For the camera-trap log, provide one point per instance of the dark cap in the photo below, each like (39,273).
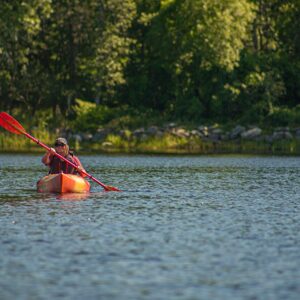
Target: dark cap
(61,140)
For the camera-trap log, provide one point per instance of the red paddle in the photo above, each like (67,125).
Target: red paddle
(12,125)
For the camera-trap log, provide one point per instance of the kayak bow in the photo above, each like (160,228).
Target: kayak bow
(63,183)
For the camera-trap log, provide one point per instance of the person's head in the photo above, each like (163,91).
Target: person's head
(61,146)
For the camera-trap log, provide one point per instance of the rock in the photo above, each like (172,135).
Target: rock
(215,134)
(213,138)
(159,134)
(139,132)
(152,130)
(297,133)
(217,131)
(268,139)
(143,137)
(288,135)
(170,125)
(252,133)
(196,133)
(107,144)
(282,135)
(101,134)
(203,130)
(236,132)
(180,132)
(77,138)
(225,136)
(125,134)
(282,129)
(87,137)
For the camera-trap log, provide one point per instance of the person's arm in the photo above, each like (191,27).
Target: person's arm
(46,159)
(80,167)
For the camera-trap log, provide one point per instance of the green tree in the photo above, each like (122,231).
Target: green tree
(55,51)
(182,43)
(288,27)
(268,75)
(111,50)
(69,37)
(21,81)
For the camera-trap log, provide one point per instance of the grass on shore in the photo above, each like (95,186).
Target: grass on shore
(20,143)
(172,144)
(166,144)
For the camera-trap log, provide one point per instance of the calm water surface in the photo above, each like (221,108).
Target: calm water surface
(188,227)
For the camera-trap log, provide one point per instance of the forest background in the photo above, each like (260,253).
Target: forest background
(85,65)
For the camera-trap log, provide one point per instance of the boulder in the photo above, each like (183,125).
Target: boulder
(297,133)
(152,130)
(196,133)
(77,138)
(87,137)
(203,130)
(101,134)
(237,132)
(139,132)
(170,125)
(217,131)
(268,139)
(107,144)
(252,133)
(125,134)
(215,134)
(282,135)
(180,132)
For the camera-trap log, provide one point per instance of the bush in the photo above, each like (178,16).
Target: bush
(90,117)
(283,116)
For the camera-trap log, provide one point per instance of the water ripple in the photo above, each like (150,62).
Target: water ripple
(184,227)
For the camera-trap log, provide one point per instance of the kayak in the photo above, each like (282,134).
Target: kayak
(63,183)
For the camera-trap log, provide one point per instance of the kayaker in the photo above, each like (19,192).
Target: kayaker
(57,165)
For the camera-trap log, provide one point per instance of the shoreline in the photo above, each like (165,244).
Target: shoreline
(283,148)
(167,140)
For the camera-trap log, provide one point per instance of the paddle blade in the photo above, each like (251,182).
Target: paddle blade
(111,188)
(10,124)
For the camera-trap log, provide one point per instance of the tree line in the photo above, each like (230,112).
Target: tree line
(217,60)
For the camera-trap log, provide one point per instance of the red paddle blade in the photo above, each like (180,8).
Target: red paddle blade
(111,188)
(10,124)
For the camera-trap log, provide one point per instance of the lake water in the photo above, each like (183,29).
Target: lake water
(184,227)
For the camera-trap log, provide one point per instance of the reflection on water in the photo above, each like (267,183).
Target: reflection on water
(73,196)
(184,227)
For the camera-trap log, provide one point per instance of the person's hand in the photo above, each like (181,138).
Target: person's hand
(80,169)
(48,156)
(51,152)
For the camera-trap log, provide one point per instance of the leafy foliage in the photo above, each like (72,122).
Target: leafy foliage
(283,116)
(189,60)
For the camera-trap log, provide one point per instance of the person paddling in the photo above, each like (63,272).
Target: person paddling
(57,165)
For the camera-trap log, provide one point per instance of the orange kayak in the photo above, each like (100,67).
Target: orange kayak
(63,183)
